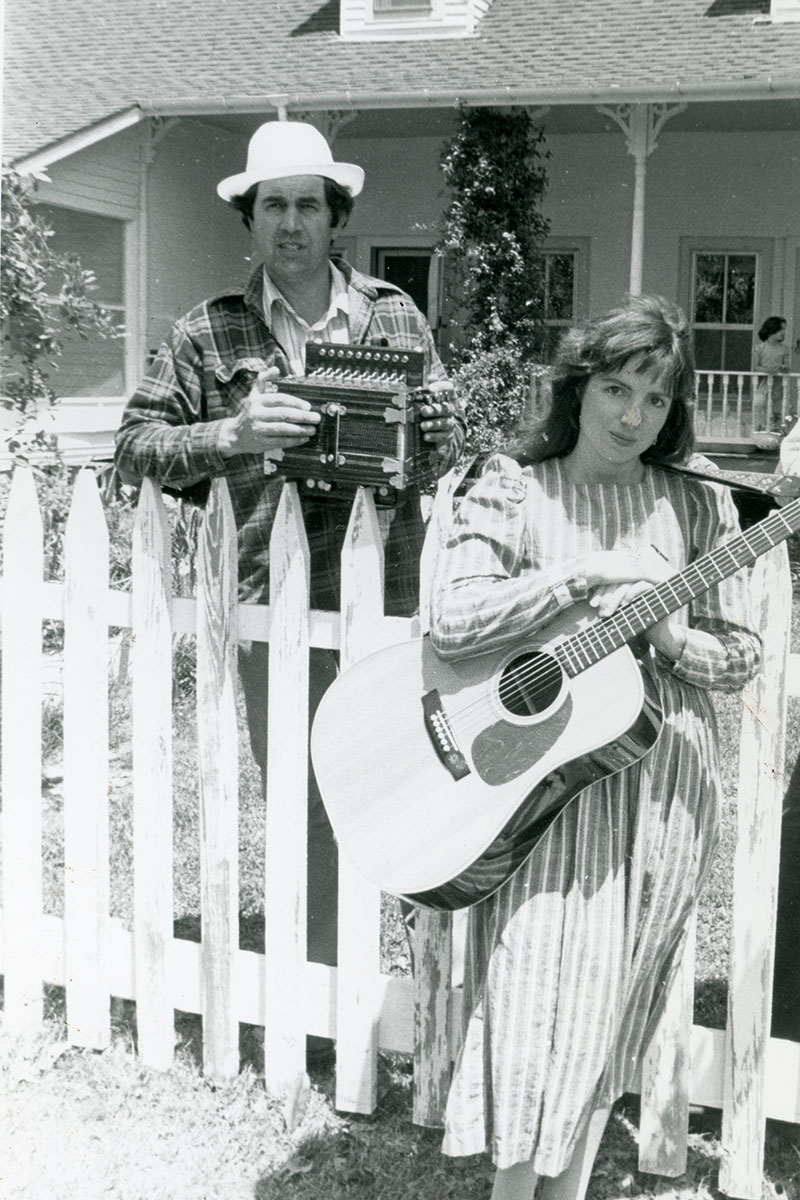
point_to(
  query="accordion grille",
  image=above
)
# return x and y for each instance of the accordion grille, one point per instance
(367, 437)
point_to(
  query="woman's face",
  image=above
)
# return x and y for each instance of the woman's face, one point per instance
(622, 414)
(777, 337)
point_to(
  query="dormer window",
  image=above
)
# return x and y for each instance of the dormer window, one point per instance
(784, 10)
(387, 20)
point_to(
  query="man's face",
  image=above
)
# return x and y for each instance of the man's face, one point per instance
(292, 228)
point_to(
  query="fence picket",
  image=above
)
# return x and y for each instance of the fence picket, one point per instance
(152, 776)
(433, 932)
(217, 754)
(287, 809)
(666, 1075)
(22, 755)
(359, 934)
(433, 957)
(86, 871)
(762, 752)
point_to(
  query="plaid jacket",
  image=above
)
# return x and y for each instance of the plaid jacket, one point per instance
(170, 431)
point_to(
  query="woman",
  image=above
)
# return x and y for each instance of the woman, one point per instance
(569, 962)
(769, 359)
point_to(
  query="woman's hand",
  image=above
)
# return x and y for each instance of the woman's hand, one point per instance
(602, 568)
(616, 577)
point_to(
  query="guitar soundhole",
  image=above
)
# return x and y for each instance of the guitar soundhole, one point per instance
(530, 684)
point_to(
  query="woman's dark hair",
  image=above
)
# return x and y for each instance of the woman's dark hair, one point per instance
(339, 200)
(770, 326)
(649, 329)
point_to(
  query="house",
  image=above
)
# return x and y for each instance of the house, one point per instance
(673, 131)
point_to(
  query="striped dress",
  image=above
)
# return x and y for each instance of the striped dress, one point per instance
(569, 962)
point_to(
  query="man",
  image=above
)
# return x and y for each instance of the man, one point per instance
(211, 405)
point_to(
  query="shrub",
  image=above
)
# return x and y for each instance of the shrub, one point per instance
(44, 296)
(494, 391)
(494, 274)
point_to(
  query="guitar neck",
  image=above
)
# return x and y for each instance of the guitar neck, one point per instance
(596, 641)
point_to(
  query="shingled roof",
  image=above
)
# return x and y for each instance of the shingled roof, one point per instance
(73, 63)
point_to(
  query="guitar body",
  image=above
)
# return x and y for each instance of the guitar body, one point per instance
(439, 778)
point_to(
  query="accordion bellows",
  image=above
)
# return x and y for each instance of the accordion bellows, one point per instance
(369, 399)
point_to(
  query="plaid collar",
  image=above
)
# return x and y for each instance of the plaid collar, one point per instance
(339, 301)
(362, 292)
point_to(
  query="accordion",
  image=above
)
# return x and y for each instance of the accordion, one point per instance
(369, 399)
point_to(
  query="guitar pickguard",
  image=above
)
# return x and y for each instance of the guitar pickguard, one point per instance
(504, 751)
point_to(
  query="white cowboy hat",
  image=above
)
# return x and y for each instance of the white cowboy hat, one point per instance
(282, 148)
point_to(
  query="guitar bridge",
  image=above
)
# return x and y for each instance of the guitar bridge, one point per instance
(441, 735)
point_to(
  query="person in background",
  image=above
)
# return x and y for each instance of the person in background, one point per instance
(569, 962)
(212, 405)
(769, 359)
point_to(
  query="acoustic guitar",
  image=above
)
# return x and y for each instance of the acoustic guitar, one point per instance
(440, 777)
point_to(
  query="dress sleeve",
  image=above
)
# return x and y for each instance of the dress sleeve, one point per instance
(163, 434)
(487, 590)
(723, 649)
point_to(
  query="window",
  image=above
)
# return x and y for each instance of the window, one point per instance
(560, 297)
(723, 306)
(408, 268)
(95, 367)
(401, 6)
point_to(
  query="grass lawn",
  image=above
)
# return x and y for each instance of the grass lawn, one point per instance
(77, 1124)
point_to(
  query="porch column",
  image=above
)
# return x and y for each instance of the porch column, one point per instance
(152, 132)
(641, 124)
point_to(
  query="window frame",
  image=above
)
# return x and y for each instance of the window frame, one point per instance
(367, 248)
(132, 363)
(580, 248)
(723, 327)
(763, 251)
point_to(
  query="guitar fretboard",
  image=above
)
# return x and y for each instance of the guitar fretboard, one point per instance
(584, 649)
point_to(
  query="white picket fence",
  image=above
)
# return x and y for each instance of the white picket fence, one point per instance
(741, 1070)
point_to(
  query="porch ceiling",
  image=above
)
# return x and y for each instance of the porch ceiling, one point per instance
(699, 117)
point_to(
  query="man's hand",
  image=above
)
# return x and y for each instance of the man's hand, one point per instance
(269, 420)
(438, 420)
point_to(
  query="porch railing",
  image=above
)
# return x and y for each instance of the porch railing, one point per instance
(734, 404)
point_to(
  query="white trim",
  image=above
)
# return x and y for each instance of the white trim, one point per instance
(134, 316)
(34, 164)
(288, 104)
(768, 88)
(94, 206)
(400, 241)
